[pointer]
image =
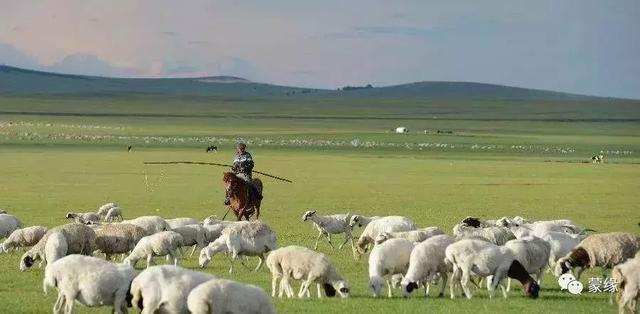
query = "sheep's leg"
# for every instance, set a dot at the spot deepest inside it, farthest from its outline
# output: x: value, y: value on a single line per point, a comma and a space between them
x: 274, y: 283
x: 119, y: 304
x: 232, y: 258
x: 317, y: 240
x: 68, y: 308
x: 495, y: 281
x: 347, y: 237
x: 443, y: 282
x: 389, y: 290
x: 260, y: 262
x: 465, y: 283
x: 427, y: 287
x: 149, y: 260
x: 455, y: 279
x: 508, y: 285
x: 328, y: 235
x: 57, y: 307
x: 319, y: 291
x: 193, y: 250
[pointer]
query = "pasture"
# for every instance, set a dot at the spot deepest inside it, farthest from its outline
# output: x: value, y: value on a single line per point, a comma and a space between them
x: 340, y: 161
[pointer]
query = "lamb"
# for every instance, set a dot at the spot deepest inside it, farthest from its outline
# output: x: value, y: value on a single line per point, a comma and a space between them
x: 83, y: 218
x: 328, y: 225
x: 413, y: 236
x: 219, y: 296
x: 24, y: 237
x: 603, y: 250
x: 89, y: 281
x: 496, y: 235
x: 301, y: 263
x: 179, y: 222
x: 242, y: 238
x: 384, y: 224
x: 117, y: 238
x: 8, y: 224
x: 67, y: 239
x: 158, y: 244
x: 627, y: 275
x: 387, y: 259
x: 192, y: 235
x: 473, y: 256
x: 150, y: 224
x: 361, y: 221
x: 425, y: 263
x: 113, y: 214
x: 165, y: 289
x: 532, y: 253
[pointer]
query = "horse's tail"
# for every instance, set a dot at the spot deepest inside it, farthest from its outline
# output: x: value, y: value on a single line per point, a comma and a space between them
x: 258, y: 184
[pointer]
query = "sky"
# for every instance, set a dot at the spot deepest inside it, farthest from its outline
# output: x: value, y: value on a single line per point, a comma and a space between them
x: 580, y: 46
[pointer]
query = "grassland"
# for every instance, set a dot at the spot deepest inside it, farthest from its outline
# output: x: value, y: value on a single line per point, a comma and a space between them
x: 62, y: 153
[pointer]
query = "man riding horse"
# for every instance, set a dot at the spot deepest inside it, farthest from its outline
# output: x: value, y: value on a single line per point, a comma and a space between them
x: 243, y: 168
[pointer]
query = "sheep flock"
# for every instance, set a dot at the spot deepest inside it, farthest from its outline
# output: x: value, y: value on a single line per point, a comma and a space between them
x: 92, y: 259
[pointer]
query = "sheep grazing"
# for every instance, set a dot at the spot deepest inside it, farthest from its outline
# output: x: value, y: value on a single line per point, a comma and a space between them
x: 60, y: 241
x: 158, y: 244
x: 413, y: 236
x: 179, y: 222
x: 165, y: 289
x: 561, y: 242
x: 425, y: 263
x: 150, y: 224
x: 603, y: 250
x: 328, y: 225
x: 533, y: 253
x: 361, y: 221
x: 473, y: 256
x: 387, y: 259
x: 113, y: 214
x: 227, y: 296
x: 384, y: 224
x: 496, y: 235
x: 8, y: 224
x: 118, y: 238
x: 192, y: 235
x: 89, y: 281
x: 301, y: 263
x: 627, y: 275
x: 243, y: 238
x: 24, y: 237
x: 83, y: 218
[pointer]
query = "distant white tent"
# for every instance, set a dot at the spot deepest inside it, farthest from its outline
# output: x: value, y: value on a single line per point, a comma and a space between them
x: 402, y: 129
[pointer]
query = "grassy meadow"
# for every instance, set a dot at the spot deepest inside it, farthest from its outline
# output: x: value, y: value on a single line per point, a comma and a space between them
x: 490, y: 159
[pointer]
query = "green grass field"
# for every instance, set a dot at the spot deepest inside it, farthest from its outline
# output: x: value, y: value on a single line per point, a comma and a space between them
x: 341, y: 160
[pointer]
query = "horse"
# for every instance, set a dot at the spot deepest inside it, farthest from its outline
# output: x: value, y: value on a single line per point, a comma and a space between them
x: 239, y: 196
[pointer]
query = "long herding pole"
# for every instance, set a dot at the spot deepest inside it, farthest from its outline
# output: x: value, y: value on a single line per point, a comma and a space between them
x: 210, y: 164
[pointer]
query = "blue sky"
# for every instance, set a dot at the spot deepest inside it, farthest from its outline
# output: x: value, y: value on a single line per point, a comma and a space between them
x: 581, y: 46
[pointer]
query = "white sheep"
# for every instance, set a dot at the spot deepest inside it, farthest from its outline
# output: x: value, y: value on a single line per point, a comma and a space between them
x: 158, y: 244
x: 8, y: 224
x: 150, y: 224
x: 183, y: 221
x: 413, y: 235
x: 479, y: 223
x: 192, y: 235
x: 603, y: 250
x: 532, y: 253
x: 627, y: 275
x: 113, y: 214
x: 383, y: 224
x: 494, y: 234
x: 89, y: 281
x: 117, y: 238
x: 102, y: 210
x: 558, y: 225
x: 243, y: 238
x: 24, y: 237
x: 67, y: 239
x: 221, y: 296
x: 300, y: 263
x: 331, y: 224
x: 165, y: 289
x: 426, y: 263
x: 387, y: 259
x: 361, y: 221
x: 482, y: 258
x: 561, y: 242
x: 83, y: 218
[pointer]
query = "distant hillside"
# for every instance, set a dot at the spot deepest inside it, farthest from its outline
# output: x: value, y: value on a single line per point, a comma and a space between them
x: 16, y: 81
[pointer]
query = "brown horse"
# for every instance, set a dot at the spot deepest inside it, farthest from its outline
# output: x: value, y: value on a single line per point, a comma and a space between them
x: 238, y: 189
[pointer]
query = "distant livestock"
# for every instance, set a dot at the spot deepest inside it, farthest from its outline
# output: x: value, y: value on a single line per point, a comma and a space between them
x: 212, y: 148
x: 401, y: 130
x: 597, y: 159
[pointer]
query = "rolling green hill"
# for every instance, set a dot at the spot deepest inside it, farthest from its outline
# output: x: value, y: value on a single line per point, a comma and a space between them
x: 17, y: 81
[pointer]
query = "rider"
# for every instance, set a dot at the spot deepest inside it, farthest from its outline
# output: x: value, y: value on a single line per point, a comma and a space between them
x: 243, y: 168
